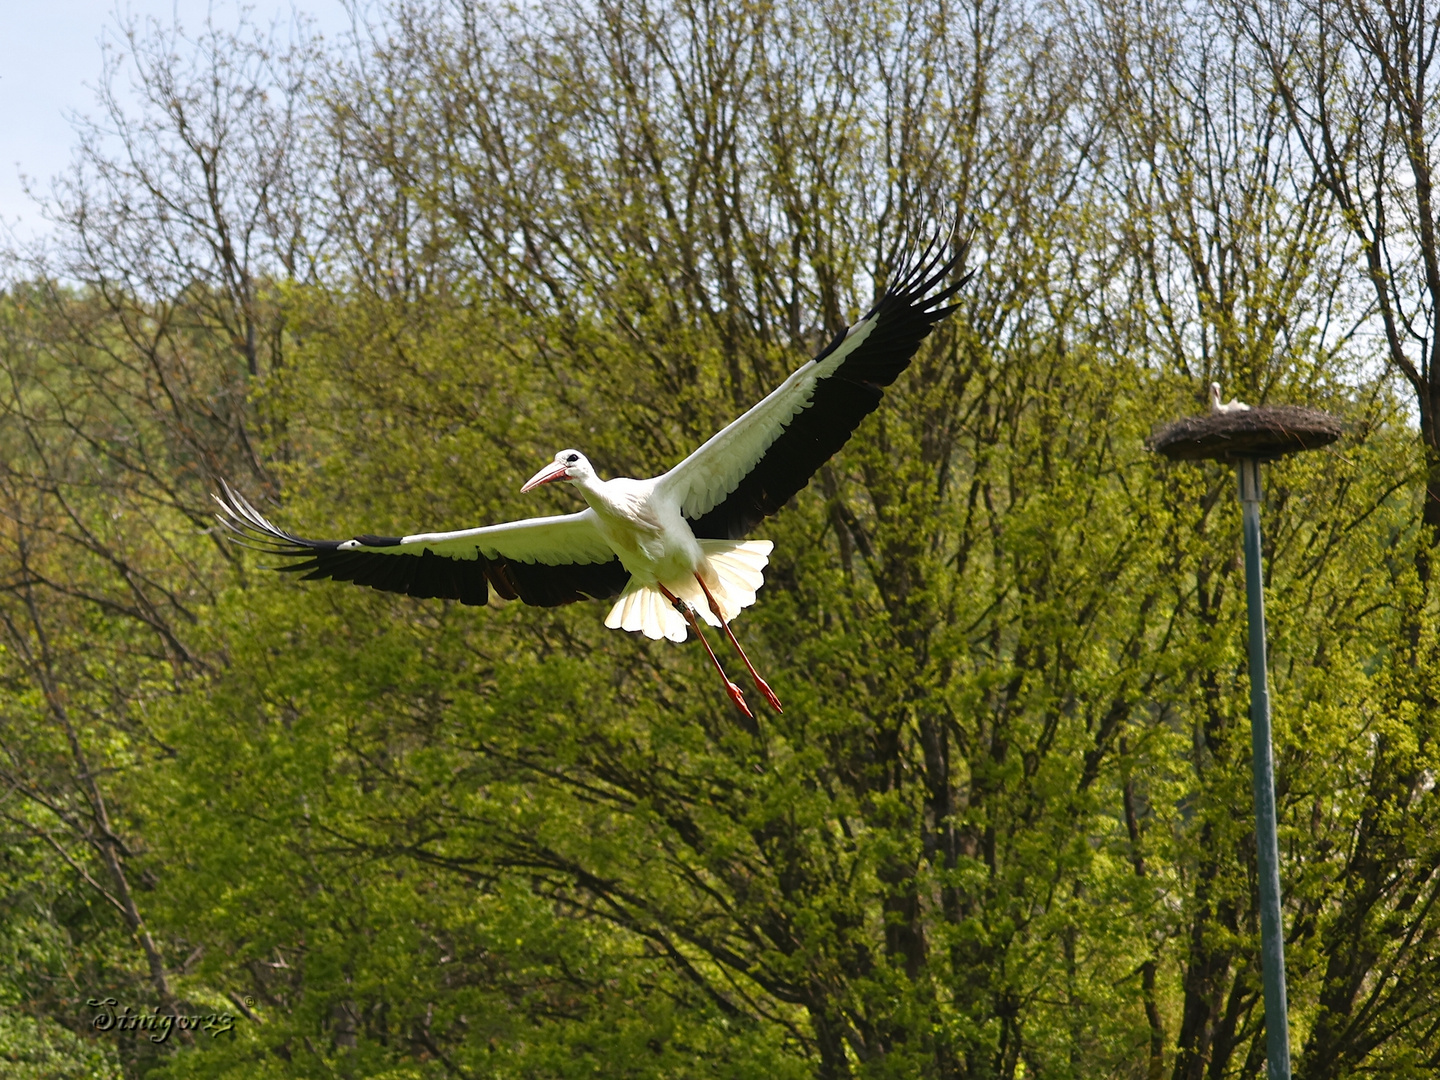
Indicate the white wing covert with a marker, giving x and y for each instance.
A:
(750, 469)
(712, 472)
(554, 541)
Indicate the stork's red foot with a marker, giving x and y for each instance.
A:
(738, 697)
(688, 613)
(760, 684)
(764, 688)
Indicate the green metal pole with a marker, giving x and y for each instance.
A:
(1272, 937)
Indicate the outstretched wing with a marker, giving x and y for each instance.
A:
(545, 561)
(750, 469)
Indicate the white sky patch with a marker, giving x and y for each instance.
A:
(51, 63)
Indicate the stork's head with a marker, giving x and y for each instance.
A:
(1215, 395)
(568, 465)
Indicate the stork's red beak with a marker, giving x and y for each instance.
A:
(550, 473)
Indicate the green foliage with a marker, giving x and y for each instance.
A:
(1001, 829)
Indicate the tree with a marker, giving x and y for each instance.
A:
(127, 359)
(1358, 86)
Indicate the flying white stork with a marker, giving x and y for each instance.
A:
(668, 548)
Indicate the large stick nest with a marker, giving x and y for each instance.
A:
(1266, 432)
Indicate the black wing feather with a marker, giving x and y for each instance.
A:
(906, 314)
(424, 576)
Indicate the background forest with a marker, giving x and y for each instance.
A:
(1002, 828)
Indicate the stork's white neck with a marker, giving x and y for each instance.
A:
(590, 485)
(599, 496)
(629, 520)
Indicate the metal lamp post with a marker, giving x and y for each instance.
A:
(1247, 438)
(1262, 778)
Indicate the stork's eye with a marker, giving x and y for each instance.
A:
(572, 458)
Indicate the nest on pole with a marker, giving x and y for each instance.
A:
(1265, 432)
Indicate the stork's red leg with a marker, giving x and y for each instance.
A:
(730, 688)
(760, 683)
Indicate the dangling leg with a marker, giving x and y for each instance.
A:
(686, 610)
(760, 683)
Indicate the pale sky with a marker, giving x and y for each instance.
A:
(50, 64)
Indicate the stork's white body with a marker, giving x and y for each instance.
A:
(648, 534)
(655, 543)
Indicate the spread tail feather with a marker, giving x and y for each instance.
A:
(737, 571)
